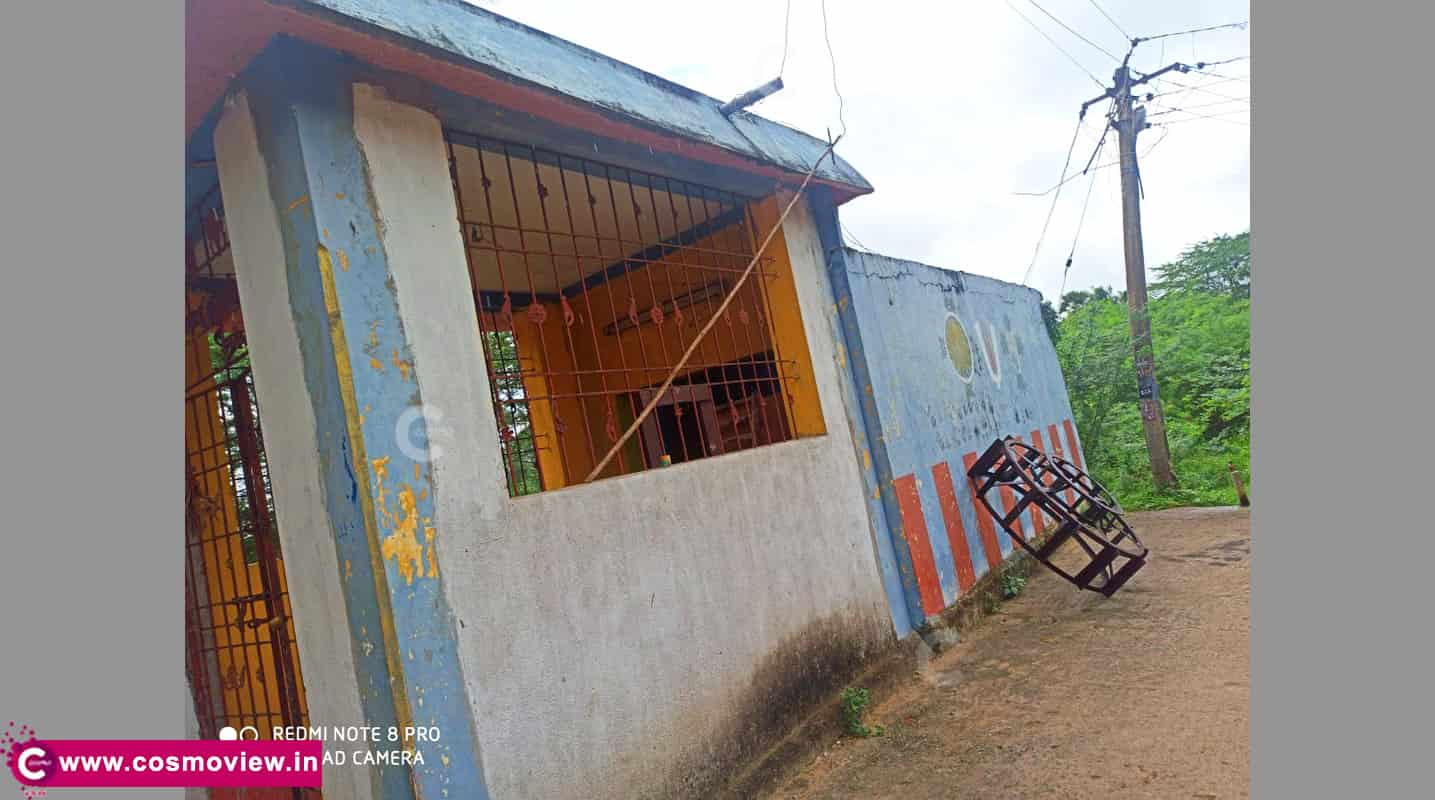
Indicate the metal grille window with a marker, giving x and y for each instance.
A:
(591, 280)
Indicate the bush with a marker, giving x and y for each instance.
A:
(1200, 322)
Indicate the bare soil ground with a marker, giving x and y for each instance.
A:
(1063, 693)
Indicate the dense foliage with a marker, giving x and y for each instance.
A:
(1200, 324)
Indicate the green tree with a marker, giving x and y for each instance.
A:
(1074, 300)
(520, 448)
(1200, 320)
(1050, 319)
(1219, 266)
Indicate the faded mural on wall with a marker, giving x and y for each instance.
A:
(955, 360)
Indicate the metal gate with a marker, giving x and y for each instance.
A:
(241, 658)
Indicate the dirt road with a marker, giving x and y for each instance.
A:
(1065, 694)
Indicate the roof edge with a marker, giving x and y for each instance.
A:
(497, 44)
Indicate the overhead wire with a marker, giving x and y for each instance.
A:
(1173, 97)
(1203, 71)
(1110, 20)
(1067, 177)
(1134, 41)
(1036, 252)
(1081, 221)
(1073, 31)
(832, 58)
(786, 30)
(1203, 90)
(1184, 88)
(1074, 175)
(850, 235)
(1066, 271)
(1217, 117)
(1161, 60)
(1203, 64)
(1169, 109)
(1241, 25)
(1063, 51)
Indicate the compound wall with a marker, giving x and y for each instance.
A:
(954, 361)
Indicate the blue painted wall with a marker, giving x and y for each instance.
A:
(348, 320)
(936, 401)
(893, 558)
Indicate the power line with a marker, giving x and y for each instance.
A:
(786, 29)
(1159, 81)
(1153, 146)
(1243, 78)
(1204, 90)
(1076, 175)
(1056, 186)
(853, 237)
(1184, 88)
(1045, 225)
(1089, 189)
(1241, 25)
(1073, 32)
(1200, 65)
(833, 60)
(1124, 34)
(1105, 130)
(1187, 109)
(1217, 117)
(1068, 177)
(1069, 56)
(1081, 221)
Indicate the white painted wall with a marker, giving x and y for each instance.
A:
(290, 438)
(610, 634)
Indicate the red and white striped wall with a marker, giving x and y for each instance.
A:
(947, 569)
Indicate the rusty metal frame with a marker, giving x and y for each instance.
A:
(1083, 510)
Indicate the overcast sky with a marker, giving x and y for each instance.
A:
(951, 107)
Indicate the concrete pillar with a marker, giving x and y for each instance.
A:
(316, 171)
(893, 555)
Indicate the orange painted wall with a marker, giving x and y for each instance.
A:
(786, 322)
(745, 331)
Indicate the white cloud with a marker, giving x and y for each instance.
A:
(953, 106)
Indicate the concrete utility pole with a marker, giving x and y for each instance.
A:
(1130, 121)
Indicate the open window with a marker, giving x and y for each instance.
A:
(591, 281)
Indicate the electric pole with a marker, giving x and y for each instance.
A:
(1129, 121)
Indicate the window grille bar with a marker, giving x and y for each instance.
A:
(583, 312)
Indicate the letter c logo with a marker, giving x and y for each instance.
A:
(22, 763)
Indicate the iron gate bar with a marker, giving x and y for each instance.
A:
(644, 235)
(1084, 511)
(247, 434)
(232, 529)
(217, 550)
